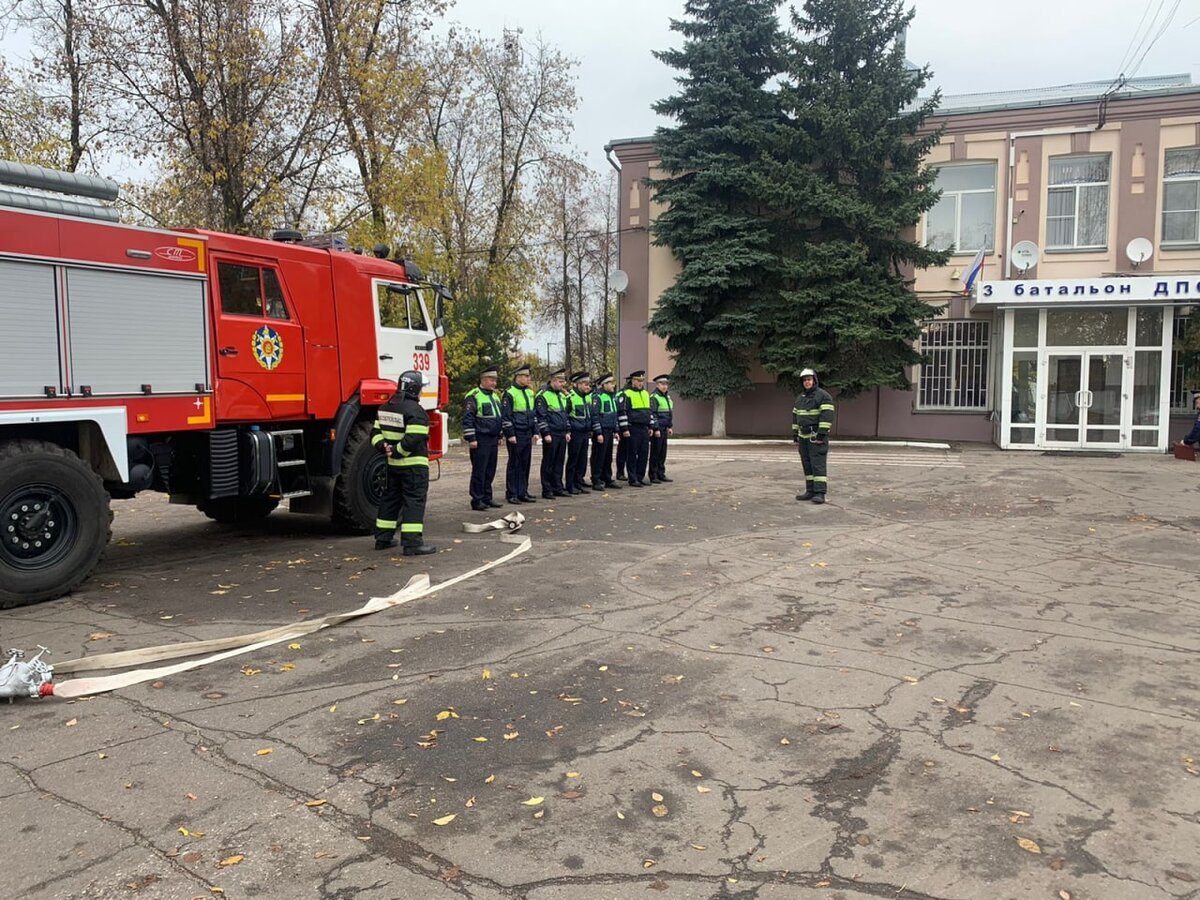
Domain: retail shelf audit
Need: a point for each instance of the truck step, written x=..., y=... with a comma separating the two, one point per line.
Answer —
x=290, y=462
x=290, y=494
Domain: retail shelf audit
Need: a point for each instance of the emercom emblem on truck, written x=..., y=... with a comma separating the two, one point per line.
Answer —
x=268, y=347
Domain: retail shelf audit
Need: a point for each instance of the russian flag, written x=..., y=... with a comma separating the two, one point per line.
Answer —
x=971, y=275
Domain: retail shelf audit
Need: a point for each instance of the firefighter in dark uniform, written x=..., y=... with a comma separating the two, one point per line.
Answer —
x=579, y=415
x=622, y=445
x=550, y=417
x=516, y=410
x=636, y=421
x=662, y=406
x=1193, y=436
x=604, y=430
x=402, y=430
x=481, y=430
x=812, y=418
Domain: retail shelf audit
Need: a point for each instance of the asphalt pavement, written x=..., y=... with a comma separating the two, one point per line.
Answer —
x=972, y=674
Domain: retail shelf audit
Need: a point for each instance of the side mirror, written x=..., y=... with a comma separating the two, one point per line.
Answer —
x=439, y=324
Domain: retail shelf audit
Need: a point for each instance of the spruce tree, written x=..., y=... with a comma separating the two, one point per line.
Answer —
x=850, y=183
x=724, y=113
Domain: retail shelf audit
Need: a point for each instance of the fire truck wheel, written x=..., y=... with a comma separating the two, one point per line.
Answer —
x=360, y=484
x=55, y=522
x=238, y=510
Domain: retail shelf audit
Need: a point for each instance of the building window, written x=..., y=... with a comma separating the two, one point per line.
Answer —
x=1181, y=197
x=954, y=374
x=965, y=217
x=1077, y=217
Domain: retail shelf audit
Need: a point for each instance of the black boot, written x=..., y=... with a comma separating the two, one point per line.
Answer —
x=420, y=550
x=386, y=545
x=818, y=498
x=807, y=495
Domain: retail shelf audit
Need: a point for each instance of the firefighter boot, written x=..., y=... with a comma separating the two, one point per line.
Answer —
x=419, y=550
x=807, y=495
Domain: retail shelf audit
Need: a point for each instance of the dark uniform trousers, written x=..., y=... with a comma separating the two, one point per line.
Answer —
x=602, y=457
x=554, y=455
x=577, y=461
x=520, y=458
x=658, y=454
x=638, y=454
x=403, y=504
x=622, y=457
x=483, y=468
x=814, y=454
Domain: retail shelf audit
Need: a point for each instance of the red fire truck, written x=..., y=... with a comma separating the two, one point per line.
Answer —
x=231, y=373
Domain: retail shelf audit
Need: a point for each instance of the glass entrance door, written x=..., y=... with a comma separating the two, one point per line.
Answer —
x=1085, y=396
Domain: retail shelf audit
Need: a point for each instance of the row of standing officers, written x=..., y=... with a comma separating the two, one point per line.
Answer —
x=576, y=426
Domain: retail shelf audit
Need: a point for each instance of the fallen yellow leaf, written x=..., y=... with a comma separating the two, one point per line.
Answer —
x=287, y=667
x=701, y=789
x=487, y=674
x=656, y=797
x=449, y=779
x=293, y=646
x=620, y=815
x=784, y=741
x=910, y=679
x=333, y=708
x=604, y=668
x=71, y=722
x=444, y=715
x=470, y=803
x=489, y=779
x=512, y=735
x=659, y=810
x=232, y=860
x=264, y=752
x=1027, y=844
x=696, y=774
x=539, y=813
x=400, y=702
x=572, y=774
x=481, y=739
x=445, y=820
x=699, y=847
x=533, y=801
x=315, y=803
x=647, y=863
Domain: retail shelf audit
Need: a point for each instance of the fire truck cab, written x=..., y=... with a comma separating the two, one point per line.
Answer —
x=231, y=373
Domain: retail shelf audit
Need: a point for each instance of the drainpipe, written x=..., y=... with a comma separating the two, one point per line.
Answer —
x=1012, y=171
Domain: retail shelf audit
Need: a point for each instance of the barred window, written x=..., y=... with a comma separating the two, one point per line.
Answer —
x=1181, y=397
x=955, y=372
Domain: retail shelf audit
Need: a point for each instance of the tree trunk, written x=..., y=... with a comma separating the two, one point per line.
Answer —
x=718, y=420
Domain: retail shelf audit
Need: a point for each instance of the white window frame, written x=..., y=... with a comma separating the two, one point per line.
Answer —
x=964, y=336
x=1191, y=177
x=959, y=249
x=1074, y=188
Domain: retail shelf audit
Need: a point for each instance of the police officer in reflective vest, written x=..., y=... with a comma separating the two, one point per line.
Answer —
x=636, y=421
x=604, y=429
x=550, y=416
x=662, y=406
x=516, y=409
x=402, y=430
x=622, y=445
x=481, y=430
x=579, y=414
x=812, y=418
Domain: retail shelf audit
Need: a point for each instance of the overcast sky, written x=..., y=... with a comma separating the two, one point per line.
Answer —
x=971, y=46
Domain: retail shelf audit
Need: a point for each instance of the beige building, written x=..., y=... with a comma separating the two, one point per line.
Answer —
x=1086, y=205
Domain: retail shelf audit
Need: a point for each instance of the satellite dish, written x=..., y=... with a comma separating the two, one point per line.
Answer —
x=619, y=281
x=1025, y=255
x=1139, y=250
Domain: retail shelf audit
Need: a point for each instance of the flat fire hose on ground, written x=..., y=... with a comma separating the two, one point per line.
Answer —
x=225, y=648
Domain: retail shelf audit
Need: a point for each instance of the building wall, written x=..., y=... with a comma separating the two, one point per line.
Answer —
x=1020, y=142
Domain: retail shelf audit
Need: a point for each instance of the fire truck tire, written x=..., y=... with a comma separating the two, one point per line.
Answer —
x=360, y=483
x=55, y=522
x=238, y=510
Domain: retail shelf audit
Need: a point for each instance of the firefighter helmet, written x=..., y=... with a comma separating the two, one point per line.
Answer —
x=410, y=384
x=808, y=373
